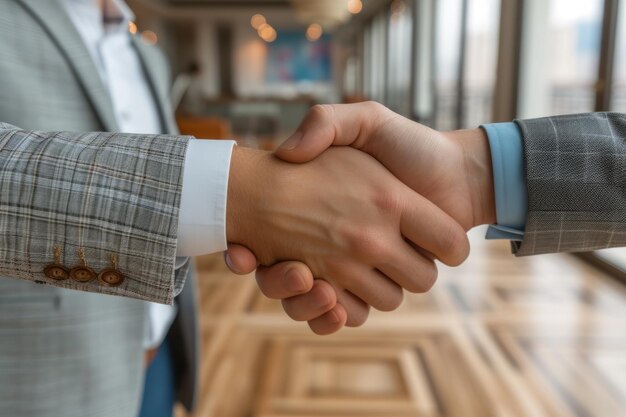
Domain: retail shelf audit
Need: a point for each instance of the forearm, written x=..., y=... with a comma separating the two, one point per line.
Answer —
x=248, y=175
x=104, y=195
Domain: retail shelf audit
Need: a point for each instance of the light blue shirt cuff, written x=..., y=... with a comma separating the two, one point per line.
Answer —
x=509, y=181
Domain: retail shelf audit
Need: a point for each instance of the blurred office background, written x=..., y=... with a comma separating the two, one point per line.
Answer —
x=499, y=336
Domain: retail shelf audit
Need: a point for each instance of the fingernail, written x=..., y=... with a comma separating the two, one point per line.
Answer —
x=229, y=263
x=295, y=282
x=292, y=142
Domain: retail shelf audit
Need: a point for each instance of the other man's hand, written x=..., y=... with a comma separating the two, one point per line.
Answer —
x=349, y=220
x=452, y=169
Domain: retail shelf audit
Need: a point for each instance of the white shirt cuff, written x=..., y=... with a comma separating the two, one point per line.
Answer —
x=202, y=216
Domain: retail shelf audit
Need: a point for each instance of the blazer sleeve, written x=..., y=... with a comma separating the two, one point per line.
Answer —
x=104, y=201
x=576, y=178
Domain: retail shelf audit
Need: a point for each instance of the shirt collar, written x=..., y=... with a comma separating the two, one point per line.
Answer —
x=113, y=16
x=117, y=11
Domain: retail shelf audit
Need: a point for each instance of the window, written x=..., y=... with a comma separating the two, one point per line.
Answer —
x=447, y=61
x=423, y=65
x=616, y=257
x=367, y=61
x=375, y=42
x=467, y=38
x=399, y=57
x=560, y=56
x=618, y=101
x=481, y=60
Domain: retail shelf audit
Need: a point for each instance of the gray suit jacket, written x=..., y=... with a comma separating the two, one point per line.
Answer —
x=576, y=179
x=65, y=352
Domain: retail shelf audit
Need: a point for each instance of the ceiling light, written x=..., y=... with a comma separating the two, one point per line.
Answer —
x=355, y=6
x=268, y=33
x=263, y=27
x=149, y=37
x=257, y=21
x=314, y=32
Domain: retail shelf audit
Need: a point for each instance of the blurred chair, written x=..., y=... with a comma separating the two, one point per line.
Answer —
x=204, y=127
x=256, y=124
x=353, y=98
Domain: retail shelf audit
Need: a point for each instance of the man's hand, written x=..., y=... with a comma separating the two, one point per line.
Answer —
x=452, y=169
x=349, y=220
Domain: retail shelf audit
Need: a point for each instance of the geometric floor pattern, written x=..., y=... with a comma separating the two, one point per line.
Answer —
x=498, y=336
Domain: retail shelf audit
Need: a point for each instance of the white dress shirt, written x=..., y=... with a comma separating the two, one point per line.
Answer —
x=202, y=218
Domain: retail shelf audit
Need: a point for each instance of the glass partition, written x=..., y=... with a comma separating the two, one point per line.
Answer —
x=618, y=101
x=399, y=51
x=560, y=56
x=481, y=61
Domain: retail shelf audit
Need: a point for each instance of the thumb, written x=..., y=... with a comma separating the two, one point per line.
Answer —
x=328, y=125
x=239, y=259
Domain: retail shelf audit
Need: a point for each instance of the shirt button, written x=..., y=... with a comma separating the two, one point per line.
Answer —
x=111, y=277
x=82, y=274
x=56, y=272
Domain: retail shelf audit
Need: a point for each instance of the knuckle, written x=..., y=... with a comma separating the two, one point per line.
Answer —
x=377, y=111
x=364, y=241
x=388, y=201
x=375, y=107
x=321, y=111
x=455, y=246
x=374, y=248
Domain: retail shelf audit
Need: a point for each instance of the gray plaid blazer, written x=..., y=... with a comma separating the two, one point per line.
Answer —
x=576, y=179
x=65, y=352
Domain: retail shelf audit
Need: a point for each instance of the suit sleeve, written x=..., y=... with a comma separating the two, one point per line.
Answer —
x=576, y=177
x=105, y=201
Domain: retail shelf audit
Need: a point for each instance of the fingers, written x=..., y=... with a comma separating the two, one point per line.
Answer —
x=407, y=267
x=284, y=280
x=330, y=322
x=321, y=299
x=240, y=260
x=303, y=299
x=317, y=301
x=428, y=227
x=327, y=125
x=370, y=286
x=324, y=297
x=357, y=309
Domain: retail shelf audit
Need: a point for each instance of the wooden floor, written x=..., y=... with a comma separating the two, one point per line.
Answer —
x=499, y=336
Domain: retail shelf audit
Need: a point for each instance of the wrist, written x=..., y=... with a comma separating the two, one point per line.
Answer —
x=247, y=176
x=478, y=173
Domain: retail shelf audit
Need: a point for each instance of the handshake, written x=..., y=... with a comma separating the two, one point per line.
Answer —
x=353, y=208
